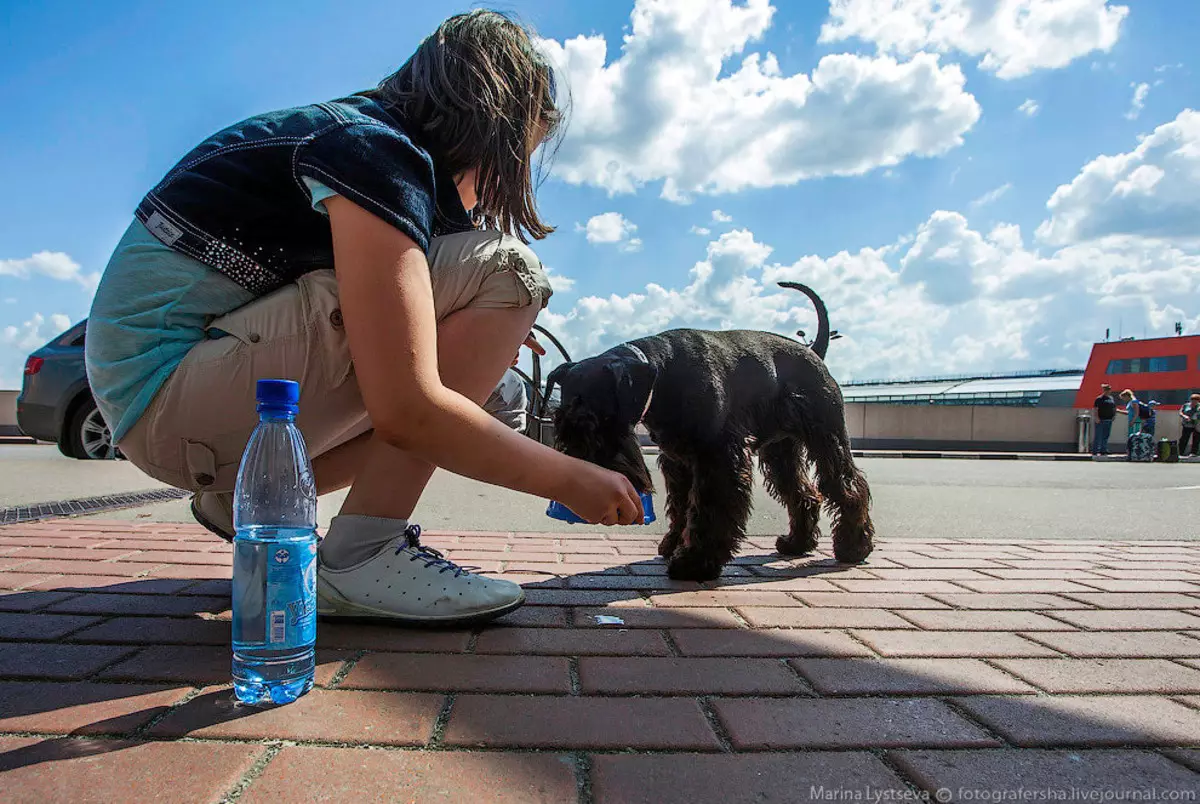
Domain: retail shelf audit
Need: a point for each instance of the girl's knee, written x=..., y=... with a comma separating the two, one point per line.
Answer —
x=486, y=269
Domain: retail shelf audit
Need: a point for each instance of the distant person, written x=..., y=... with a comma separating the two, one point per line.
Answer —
x=1148, y=413
x=1132, y=412
x=1190, y=415
x=1106, y=411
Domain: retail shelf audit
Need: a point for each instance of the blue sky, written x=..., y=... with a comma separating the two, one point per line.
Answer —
x=905, y=162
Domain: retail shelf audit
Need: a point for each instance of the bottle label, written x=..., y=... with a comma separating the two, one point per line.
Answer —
x=291, y=596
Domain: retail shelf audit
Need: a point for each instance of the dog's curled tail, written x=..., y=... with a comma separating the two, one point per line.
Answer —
x=821, y=344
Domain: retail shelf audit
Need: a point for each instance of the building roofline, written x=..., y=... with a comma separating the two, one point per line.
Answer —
x=1013, y=375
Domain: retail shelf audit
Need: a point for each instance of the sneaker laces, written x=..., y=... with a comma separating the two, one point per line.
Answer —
x=431, y=557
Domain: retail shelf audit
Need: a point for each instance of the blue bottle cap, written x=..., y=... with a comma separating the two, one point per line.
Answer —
x=278, y=395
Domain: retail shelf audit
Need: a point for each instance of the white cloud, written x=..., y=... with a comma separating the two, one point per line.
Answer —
x=1012, y=37
x=991, y=195
x=1140, y=91
x=704, y=231
x=720, y=217
x=1151, y=191
x=611, y=227
x=23, y=339
x=53, y=264
x=558, y=282
x=1029, y=108
x=670, y=107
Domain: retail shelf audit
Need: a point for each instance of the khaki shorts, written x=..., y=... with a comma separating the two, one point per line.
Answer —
x=194, y=432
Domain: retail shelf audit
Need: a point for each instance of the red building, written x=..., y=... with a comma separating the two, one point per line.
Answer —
x=1162, y=369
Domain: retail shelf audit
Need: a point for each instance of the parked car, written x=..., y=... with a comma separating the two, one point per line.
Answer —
x=56, y=403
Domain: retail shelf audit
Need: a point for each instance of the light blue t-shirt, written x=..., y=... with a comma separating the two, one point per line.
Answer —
x=152, y=306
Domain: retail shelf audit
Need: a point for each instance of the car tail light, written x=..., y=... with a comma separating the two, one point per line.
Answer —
x=33, y=365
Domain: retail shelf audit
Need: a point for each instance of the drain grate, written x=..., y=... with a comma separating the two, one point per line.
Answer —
x=86, y=505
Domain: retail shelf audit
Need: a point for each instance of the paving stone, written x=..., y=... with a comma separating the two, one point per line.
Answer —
x=771, y=642
x=426, y=672
x=90, y=771
x=889, y=586
x=1024, y=586
x=342, y=716
x=1120, y=644
x=780, y=723
x=1188, y=757
x=983, y=620
x=1054, y=775
x=40, y=627
x=821, y=618
x=113, y=584
x=20, y=580
x=193, y=572
x=47, y=660
x=951, y=644
x=28, y=601
x=128, y=569
x=308, y=774
x=1140, y=586
x=578, y=723
x=628, y=582
x=905, y=677
x=157, y=630
x=537, y=616
x=354, y=636
x=198, y=665
x=686, y=676
x=162, y=605
x=578, y=597
x=1105, y=675
x=642, y=617
x=723, y=778
x=571, y=642
x=1009, y=602
x=869, y=600
x=1086, y=720
x=722, y=597
x=82, y=707
x=1129, y=620
x=1130, y=600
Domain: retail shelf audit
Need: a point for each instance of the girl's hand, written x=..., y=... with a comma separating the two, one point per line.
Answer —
x=534, y=347
x=602, y=497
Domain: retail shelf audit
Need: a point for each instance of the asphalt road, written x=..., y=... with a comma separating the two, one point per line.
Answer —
x=912, y=497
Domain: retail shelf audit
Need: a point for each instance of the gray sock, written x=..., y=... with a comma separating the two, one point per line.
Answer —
x=352, y=539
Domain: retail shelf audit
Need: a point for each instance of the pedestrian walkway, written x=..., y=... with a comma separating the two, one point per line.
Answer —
x=959, y=668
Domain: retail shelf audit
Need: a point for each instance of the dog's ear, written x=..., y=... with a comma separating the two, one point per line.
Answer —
x=635, y=382
x=555, y=377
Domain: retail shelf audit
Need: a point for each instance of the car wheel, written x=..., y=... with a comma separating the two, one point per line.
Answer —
x=90, y=438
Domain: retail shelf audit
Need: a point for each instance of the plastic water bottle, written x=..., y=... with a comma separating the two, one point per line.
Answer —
x=274, y=556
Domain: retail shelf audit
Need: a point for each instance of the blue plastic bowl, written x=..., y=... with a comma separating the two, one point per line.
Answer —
x=561, y=512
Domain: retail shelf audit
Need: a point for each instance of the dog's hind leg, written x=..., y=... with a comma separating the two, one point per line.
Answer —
x=787, y=481
x=720, y=505
x=677, y=472
x=846, y=495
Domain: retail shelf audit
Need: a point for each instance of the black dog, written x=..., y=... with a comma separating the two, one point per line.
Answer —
x=709, y=400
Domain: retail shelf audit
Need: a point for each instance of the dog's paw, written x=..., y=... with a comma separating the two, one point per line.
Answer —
x=853, y=550
x=692, y=565
x=788, y=546
x=669, y=544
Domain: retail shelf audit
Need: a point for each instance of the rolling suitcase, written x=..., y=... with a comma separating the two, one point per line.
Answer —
x=1141, y=448
x=1168, y=451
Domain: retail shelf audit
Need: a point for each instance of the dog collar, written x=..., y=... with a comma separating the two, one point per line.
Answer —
x=638, y=353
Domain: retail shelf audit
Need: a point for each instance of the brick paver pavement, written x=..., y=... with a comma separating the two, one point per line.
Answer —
x=978, y=668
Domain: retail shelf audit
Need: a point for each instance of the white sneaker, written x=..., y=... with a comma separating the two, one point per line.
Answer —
x=214, y=510
x=408, y=584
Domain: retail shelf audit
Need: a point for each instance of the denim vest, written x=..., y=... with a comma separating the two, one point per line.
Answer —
x=238, y=202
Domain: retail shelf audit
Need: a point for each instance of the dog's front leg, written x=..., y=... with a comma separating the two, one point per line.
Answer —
x=677, y=472
x=720, y=505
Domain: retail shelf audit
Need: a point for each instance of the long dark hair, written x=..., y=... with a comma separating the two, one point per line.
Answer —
x=482, y=96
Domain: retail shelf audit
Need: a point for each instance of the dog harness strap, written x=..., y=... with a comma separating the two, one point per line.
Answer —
x=638, y=353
